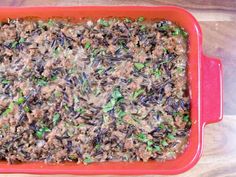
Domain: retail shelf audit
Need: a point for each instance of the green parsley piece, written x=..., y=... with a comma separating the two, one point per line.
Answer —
x=139, y=66
x=109, y=106
x=164, y=143
x=9, y=109
x=40, y=133
x=157, y=148
x=170, y=136
x=20, y=100
x=116, y=98
x=140, y=19
x=87, y=159
x=186, y=118
x=127, y=20
x=5, y=81
x=26, y=109
x=56, y=118
x=87, y=45
x=22, y=40
x=142, y=137
x=137, y=93
x=81, y=110
x=177, y=32
x=50, y=22
x=103, y=22
x=142, y=28
x=42, y=82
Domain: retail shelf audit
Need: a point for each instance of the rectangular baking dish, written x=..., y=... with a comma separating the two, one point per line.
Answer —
x=205, y=87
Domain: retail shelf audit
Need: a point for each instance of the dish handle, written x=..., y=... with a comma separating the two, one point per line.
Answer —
x=212, y=90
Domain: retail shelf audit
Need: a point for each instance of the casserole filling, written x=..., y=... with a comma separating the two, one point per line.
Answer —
x=94, y=91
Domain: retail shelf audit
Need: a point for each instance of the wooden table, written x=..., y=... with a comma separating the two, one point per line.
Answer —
x=218, y=21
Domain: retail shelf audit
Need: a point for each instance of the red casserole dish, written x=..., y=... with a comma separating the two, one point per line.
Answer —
x=205, y=86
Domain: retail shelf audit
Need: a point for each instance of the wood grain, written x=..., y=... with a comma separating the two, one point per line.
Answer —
x=218, y=21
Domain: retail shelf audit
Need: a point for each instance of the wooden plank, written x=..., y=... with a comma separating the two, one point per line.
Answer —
x=190, y=4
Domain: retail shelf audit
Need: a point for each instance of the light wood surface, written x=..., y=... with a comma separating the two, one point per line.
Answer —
x=218, y=22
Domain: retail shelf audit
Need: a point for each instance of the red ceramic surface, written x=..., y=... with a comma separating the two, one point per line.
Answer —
x=205, y=86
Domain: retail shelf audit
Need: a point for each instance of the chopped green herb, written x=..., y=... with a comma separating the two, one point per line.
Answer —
x=80, y=110
x=162, y=126
x=66, y=108
x=149, y=148
x=186, y=118
x=164, y=27
x=157, y=148
x=142, y=137
x=87, y=45
x=4, y=81
x=121, y=114
x=176, y=32
x=56, y=52
x=116, y=94
x=42, y=82
x=20, y=100
x=6, y=126
x=9, y=109
x=139, y=66
x=53, y=78
x=87, y=159
x=164, y=143
x=179, y=31
x=103, y=22
x=127, y=20
x=170, y=136
x=143, y=27
x=149, y=143
x=109, y=106
x=40, y=133
x=26, y=109
x=137, y=93
x=22, y=40
x=176, y=114
x=140, y=19
x=100, y=71
x=98, y=146
x=156, y=72
x=130, y=80
x=95, y=52
x=185, y=34
x=56, y=118
x=76, y=100
x=116, y=98
x=50, y=22
x=14, y=44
